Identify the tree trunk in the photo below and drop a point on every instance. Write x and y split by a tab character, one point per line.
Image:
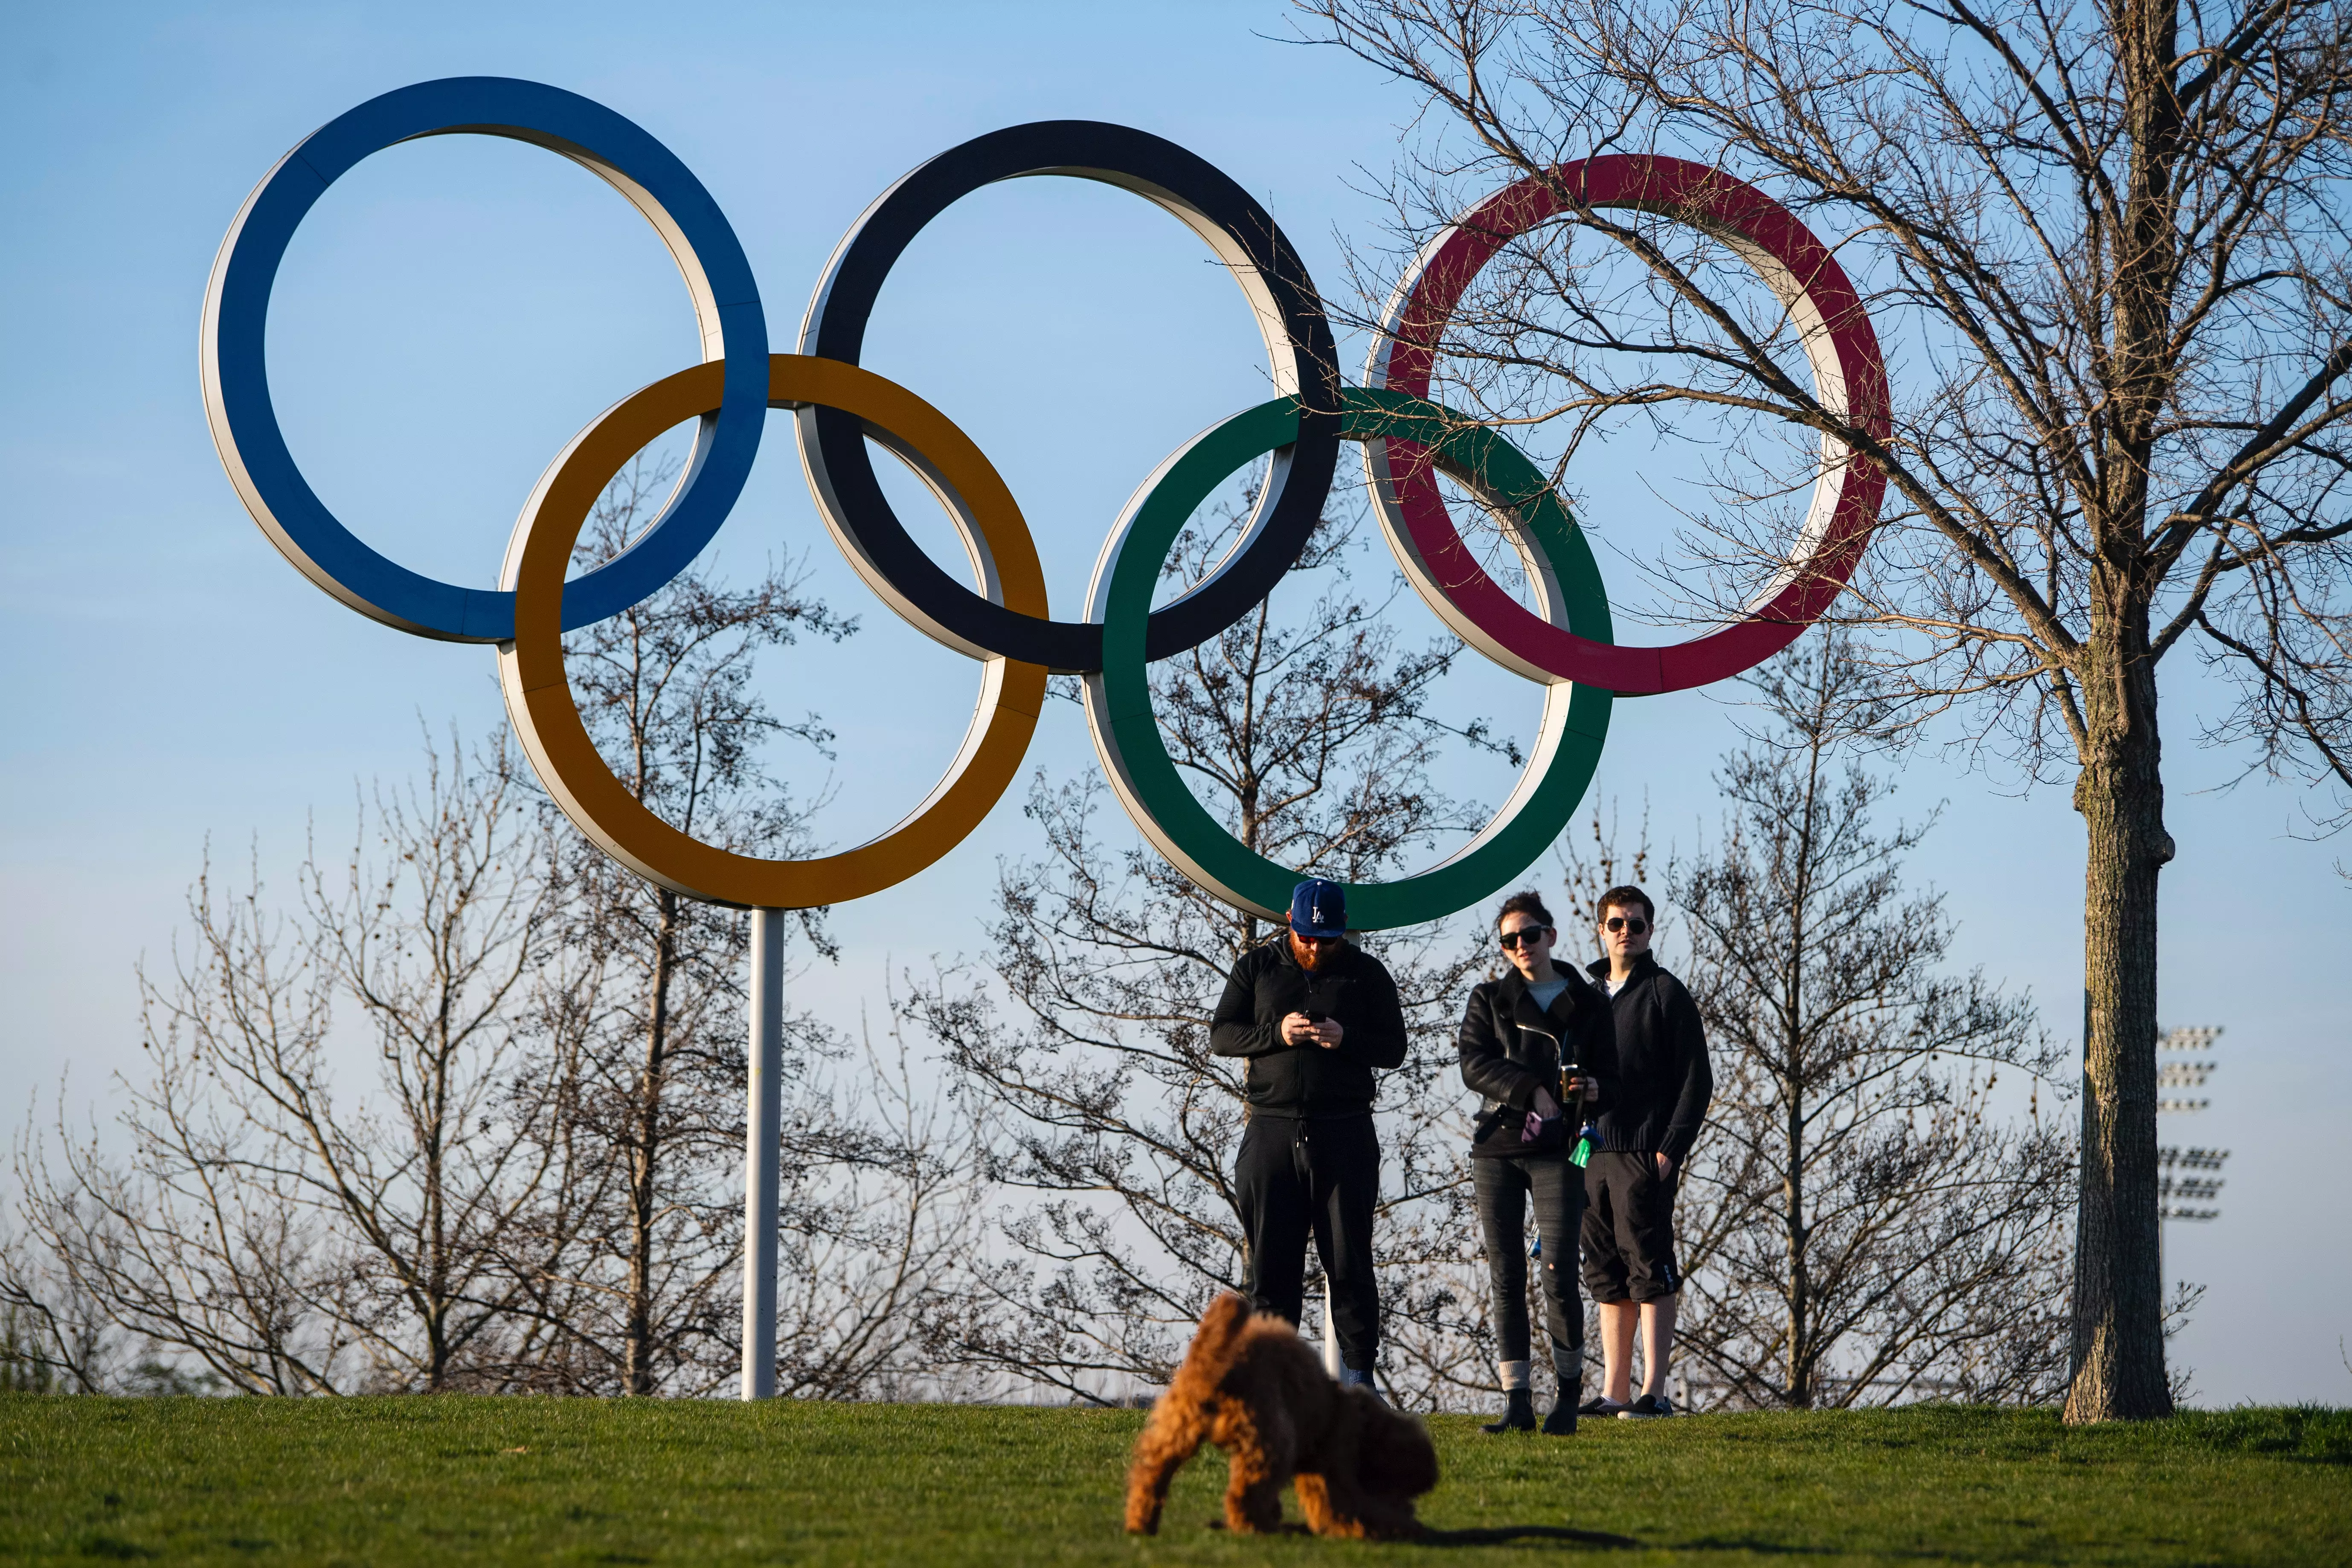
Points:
1799	1395
1801	1392
2118	1308
437	1228
642	1187
2118	1328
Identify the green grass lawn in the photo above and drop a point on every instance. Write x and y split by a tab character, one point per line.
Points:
431	1480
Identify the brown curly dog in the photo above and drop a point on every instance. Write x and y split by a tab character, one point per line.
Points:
1251	1387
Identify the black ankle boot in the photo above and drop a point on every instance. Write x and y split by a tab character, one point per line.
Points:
1518	1412
1561	1422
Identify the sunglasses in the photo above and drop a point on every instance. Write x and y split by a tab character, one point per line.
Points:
1512	939
1634	924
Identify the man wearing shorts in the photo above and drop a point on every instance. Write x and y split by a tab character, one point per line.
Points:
1646	1128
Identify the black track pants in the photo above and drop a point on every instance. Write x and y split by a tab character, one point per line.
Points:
1504	1186
1298	1178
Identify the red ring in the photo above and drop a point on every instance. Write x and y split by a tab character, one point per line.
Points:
1797	267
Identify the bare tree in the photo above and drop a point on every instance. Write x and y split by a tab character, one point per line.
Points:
540	1189
880	1212
1863	1223
1588	869
292	1234
649	1014
54	1337
2108	244
1309	733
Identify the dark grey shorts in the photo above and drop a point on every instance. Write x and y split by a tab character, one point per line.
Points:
1628	1230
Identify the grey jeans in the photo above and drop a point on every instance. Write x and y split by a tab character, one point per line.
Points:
1503	1185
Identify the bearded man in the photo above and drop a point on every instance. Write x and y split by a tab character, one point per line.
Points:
1313	1017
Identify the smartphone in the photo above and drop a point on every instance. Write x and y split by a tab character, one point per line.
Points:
1313	1017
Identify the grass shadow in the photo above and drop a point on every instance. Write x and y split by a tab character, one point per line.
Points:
1503	1534
1487	1535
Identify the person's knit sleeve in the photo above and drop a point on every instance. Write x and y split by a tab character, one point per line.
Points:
1596	1043
1235	1029
1697	1076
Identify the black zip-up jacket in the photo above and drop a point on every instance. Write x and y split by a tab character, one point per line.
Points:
1351	986
1663	1080
1510	1047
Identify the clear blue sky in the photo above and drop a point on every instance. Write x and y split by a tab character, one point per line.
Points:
455	308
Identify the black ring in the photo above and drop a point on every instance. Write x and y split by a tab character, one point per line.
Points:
840	470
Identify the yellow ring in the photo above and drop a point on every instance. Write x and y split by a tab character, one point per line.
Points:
539	696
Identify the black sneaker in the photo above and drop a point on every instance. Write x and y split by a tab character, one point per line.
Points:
1648	1408
1601	1405
1561	1422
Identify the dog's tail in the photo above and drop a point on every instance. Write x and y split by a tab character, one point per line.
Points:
1214	1343
1179	1419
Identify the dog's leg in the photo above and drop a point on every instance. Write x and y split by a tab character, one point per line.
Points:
1393	1464
1169	1440
1315	1503
1345	1513
1254	1482
1253	1504
1387	1519
1332	1498
1362	1508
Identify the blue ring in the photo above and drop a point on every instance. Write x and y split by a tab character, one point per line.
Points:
236	379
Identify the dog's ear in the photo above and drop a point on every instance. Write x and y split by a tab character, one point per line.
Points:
1394	1455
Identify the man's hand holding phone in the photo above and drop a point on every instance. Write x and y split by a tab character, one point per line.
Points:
1311	1028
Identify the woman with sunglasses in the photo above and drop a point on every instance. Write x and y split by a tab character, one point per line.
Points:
1536	1044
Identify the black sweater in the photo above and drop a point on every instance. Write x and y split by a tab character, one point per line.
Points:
1351	986
1664	1082
1510	1047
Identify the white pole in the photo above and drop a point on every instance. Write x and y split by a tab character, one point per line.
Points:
761	1133
1330	1333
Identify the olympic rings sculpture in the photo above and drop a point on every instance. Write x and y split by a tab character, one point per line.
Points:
1564	642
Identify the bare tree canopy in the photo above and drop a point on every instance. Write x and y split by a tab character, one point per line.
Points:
1865	1221
288	1233
2106	247
537	1186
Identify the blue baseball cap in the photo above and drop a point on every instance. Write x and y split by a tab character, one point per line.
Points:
1318	908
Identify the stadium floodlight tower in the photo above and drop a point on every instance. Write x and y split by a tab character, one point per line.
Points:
2189	1186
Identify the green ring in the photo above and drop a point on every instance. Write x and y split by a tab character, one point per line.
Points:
1126	732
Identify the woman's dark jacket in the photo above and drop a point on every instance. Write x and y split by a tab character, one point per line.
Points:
1664	1079
1351	986
1510	1047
